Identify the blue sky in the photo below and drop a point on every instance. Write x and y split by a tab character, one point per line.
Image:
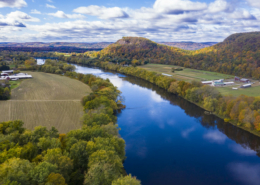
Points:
108	21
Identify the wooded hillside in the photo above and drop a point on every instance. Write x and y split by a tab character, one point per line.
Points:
239	54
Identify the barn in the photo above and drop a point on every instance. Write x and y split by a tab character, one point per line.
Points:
245	86
244	80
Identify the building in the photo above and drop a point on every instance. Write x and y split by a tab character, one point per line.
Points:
8	72
207	82
245	86
229	83
244	80
166	74
237	78
216	83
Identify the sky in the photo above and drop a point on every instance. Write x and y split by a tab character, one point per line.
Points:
110	20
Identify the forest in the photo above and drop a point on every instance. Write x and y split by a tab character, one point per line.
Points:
91	155
239	54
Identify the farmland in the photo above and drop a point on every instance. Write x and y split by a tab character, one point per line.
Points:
192	74
187	74
47	100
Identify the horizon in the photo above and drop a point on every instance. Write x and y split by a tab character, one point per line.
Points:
107	21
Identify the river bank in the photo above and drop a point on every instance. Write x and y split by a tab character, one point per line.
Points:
212	106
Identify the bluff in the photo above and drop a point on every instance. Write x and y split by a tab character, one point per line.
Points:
238	54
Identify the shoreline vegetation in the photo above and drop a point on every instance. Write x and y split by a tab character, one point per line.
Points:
242	111
93	154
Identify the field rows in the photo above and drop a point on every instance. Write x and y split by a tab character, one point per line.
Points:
47	100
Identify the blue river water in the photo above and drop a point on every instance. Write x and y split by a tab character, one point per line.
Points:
170	141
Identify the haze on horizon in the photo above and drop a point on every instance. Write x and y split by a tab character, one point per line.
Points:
108	21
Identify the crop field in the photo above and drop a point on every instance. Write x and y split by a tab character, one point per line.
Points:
192	74
187	74
47	100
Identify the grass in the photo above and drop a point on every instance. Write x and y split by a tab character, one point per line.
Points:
15	84
47	100
187	74
11	66
192	74
252	91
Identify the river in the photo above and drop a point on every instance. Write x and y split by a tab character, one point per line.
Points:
170	141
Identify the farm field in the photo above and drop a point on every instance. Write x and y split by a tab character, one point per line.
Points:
187	74
47	100
192	74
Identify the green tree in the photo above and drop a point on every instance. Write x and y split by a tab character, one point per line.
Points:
127	180
55	179
16	171
41	172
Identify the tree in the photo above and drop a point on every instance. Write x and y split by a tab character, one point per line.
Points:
55	179
101	173
79	155
16	171
42	171
64	163
127	180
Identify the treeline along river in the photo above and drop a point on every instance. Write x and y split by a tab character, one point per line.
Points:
171	141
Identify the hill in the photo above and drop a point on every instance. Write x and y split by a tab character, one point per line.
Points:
239	54
139	48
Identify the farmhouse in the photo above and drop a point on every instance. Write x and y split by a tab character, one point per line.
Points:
218	83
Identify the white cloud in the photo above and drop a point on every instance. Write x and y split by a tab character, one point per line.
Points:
254	3
50	1
178	6
242	14
50	6
34	11
13	3
21	16
102	12
61	14
219	6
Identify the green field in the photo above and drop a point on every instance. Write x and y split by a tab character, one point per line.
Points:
47	100
187	74
192	74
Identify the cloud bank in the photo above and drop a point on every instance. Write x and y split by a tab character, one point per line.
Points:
165	20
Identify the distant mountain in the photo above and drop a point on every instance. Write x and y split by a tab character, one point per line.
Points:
189	45
239	54
98	45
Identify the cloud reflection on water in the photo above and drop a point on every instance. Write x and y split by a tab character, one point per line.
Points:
242	150
215	136
186	133
248	174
